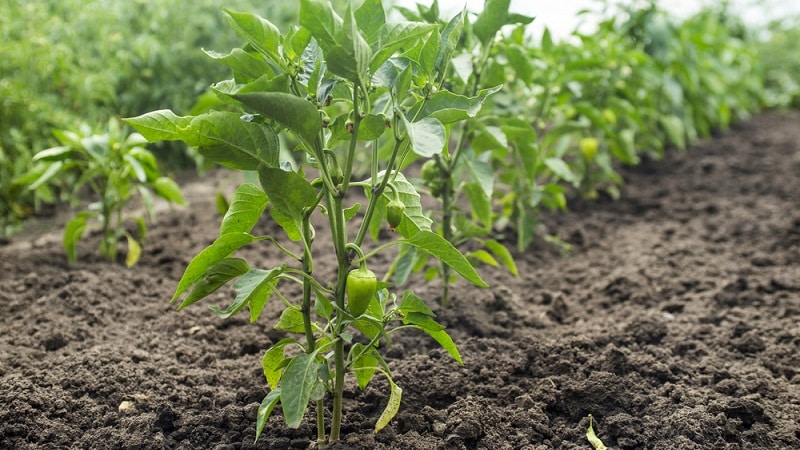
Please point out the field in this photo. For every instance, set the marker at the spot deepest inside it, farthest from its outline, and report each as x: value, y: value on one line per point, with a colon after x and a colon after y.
x: 673, y: 320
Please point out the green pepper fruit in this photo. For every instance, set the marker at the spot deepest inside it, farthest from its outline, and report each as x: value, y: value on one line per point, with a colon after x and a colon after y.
x: 394, y: 213
x: 589, y: 147
x: 429, y: 171
x: 362, y: 285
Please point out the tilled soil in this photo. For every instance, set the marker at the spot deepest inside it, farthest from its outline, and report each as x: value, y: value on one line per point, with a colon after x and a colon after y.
x: 673, y: 320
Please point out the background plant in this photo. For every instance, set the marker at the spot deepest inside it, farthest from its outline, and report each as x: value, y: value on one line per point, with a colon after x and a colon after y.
x: 115, y: 166
x: 332, y: 88
x: 69, y: 62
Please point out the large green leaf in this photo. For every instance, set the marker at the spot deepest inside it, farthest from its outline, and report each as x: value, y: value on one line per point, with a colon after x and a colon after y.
x: 395, y: 36
x: 297, y: 383
x: 215, y: 277
x: 217, y: 251
x: 257, y: 31
x: 297, y: 114
x: 162, y: 125
x: 371, y: 19
x: 289, y: 193
x: 244, y: 210
x: 349, y: 58
x: 444, y: 250
x: 228, y: 140
x: 428, y: 136
x: 364, y: 366
x: 325, y: 25
x: 246, y: 66
x: 448, y: 107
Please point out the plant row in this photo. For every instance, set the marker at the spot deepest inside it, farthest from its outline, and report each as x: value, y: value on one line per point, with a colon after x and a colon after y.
x: 493, y: 124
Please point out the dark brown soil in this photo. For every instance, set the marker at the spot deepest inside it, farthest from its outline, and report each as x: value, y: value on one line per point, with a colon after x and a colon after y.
x: 674, y: 321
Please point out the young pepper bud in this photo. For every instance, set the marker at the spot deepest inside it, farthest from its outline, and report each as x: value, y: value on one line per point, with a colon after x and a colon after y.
x: 362, y: 285
x: 394, y: 213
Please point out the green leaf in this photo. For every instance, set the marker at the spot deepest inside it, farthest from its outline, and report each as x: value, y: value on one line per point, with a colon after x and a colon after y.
x: 502, y: 253
x: 444, y: 250
x: 291, y: 320
x: 274, y: 361
x: 391, y: 407
x: 451, y: 35
x: 73, y: 232
x: 149, y: 204
x: 53, y: 154
x: 371, y: 18
x: 136, y: 166
x: 218, y: 250
x: 562, y: 170
x: 245, y: 209
x: 484, y: 257
x: 254, y: 287
x: 224, y: 138
x: 321, y: 20
x: 168, y: 189
x: 675, y: 130
x: 364, y: 367
x: 428, y: 136
x: 246, y: 66
x: 448, y: 107
x: 351, y: 212
x: 258, y: 32
x: 215, y: 277
x: 298, y: 115
x: 161, y: 125
x: 489, y: 22
x: 480, y: 204
x: 447, y: 343
x: 51, y: 171
x: 265, y: 409
x: 483, y: 174
x: 297, y: 383
x: 134, y: 251
x: 423, y: 322
x: 412, y: 303
x: 289, y: 193
x: 349, y: 58
x: 395, y: 36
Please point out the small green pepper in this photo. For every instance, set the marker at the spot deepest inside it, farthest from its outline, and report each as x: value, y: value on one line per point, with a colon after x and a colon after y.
x: 362, y: 285
x: 394, y: 213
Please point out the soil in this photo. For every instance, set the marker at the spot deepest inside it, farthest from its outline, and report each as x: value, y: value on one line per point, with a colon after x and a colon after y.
x: 674, y: 320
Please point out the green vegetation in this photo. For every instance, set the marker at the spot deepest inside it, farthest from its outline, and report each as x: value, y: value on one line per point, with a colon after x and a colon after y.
x: 115, y: 167
x: 499, y: 125
x: 335, y: 87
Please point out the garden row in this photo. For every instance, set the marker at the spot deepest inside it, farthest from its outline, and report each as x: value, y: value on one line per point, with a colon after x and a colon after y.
x: 500, y: 128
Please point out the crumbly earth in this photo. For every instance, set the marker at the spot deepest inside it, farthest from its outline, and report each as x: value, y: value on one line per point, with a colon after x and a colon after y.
x: 674, y: 320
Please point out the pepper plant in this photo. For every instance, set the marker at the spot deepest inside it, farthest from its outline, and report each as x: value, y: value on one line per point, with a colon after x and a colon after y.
x: 115, y: 166
x: 334, y: 88
x: 464, y: 169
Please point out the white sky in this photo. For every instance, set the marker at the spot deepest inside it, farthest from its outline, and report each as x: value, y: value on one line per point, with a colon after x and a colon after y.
x: 560, y: 15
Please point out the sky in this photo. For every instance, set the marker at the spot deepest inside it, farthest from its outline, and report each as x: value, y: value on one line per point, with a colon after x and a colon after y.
x: 561, y: 18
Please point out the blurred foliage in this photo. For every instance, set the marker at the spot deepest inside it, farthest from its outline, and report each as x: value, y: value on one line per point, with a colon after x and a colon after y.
x: 781, y: 61
x: 71, y: 62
